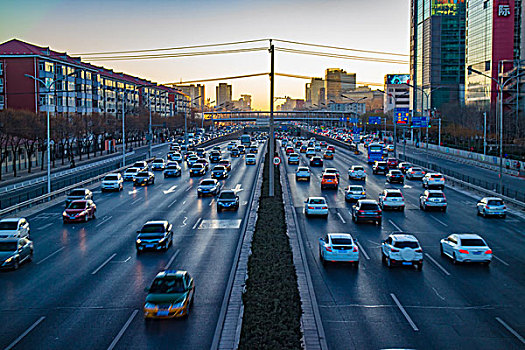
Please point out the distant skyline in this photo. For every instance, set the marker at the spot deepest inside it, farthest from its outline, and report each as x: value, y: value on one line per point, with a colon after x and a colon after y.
x: 114, y: 25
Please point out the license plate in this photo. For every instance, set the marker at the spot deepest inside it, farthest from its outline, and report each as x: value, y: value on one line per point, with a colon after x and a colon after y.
x: 476, y: 253
x: 407, y: 263
x: 71, y: 216
x: 149, y: 245
x: 163, y: 313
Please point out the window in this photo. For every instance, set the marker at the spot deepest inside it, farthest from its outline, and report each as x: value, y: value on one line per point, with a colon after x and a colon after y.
x: 487, y: 65
x: 1, y: 67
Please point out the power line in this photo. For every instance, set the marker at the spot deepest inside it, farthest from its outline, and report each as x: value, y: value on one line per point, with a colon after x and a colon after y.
x: 332, y: 55
x: 329, y: 80
x: 217, y: 79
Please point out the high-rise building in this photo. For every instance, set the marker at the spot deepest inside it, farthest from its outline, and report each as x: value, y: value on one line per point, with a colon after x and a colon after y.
x: 195, y: 92
x: 337, y: 82
x: 315, y: 92
x: 437, y: 52
x: 244, y: 103
x: 223, y: 95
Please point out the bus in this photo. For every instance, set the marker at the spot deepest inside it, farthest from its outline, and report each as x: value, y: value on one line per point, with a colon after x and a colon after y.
x: 246, y: 140
x: 375, y: 152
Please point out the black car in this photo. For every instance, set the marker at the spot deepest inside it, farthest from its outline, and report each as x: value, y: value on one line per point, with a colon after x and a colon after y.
x: 215, y: 156
x: 395, y: 176
x: 316, y: 161
x: 235, y: 152
x: 201, y: 153
x: 197, y: 169
x: 219, y: 172
x: 173, y: 170
x: 14, y: 251
x: 79, y: 194
x: 366, y: 210
x: 227, y: 200
x: 204, y: 162
x: 380, y: 167
x: 154, y: 235
x: 144, y: 178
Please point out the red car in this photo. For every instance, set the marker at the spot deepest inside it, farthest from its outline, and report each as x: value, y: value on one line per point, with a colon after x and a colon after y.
x: 289, y: 150
x: 331, y: 148
x: 392, y: 163
x: 79, y: 211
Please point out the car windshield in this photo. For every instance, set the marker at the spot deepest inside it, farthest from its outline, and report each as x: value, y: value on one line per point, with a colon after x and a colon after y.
x: 208, y: 183
x: 381, y: 164
x: 329, y: 176
x: 435, y: 195
x: 435, y: 176
x: 131, y: 170
x: 7, y: 246
x: 143, y: 174
x: 495, y: 202
x: 219, y: 168
x: 77, y: 193
x: 472, y: 242
x: 111, y: 177
x: 416, y: 169
x: 394, y: 194
x: 8, y: 225
x: 152, y: 228
x: 158, y: 161
x: 341, y: 240
x: 197, y: 166
x: 406, y: 244
x: 167, y: 285
x: 395, y: 172
x: 172, y: 167
x: 77, y: 205
x: 369, y: 206
x: 357, y: 168
x: 227, y: 195
x: 356, y: 188
x: 317, y: 201
x: 224, y: 162
x: 302, y: 169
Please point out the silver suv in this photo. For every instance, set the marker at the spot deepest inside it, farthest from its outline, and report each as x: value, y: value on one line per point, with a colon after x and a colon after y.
x: 401, y: 249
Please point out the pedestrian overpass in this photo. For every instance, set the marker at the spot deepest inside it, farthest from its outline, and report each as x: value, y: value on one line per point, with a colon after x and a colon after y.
x: 262, y: 118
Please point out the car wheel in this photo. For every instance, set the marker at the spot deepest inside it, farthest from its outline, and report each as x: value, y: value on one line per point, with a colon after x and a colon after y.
x: 153, y: 182
x: 86, y: 218
x: 478, y: 213
x: 198, y: 195
x: 30, y: 257
x: 379, y: 222
x: 486, y: 263
x: 455, y: 259
x: 441, y: 250
x: 389, y: 262
x: 218, y: 209
x: 484, y: 213
x: 16, y: 264
x: 444, y: 209
x: 419, y: 266
x: 323, y: 261
x: 402, y: 209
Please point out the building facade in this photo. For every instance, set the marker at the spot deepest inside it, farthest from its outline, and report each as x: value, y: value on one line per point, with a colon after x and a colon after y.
x: 223, y: 95
x: 437, y: 52
x: 338, y: 82
x: 195, y: 92
x: 315, y: 92
x: 397, y: 92
x: 356, y: 108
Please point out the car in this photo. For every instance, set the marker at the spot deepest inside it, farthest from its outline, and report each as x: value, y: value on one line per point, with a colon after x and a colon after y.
x: 242, y: 149
x: 433, y: 199
x: 226, y: 163
x: 201, y: 153
x: 338, y: 247
x: 491, y: 206
x: 77, y: 194
x: 316, y: 206
x: 173, y: 170
x: 318, y: 148
x: 402, y: 249
x: 204, y: 162
x: 293, y: 158
x: 433, y: 180
x: 142, y: 165
x: 404, y: 166
x: 298, y: 144
x: 253, y: 149
x: 331, y: 148
x: 390, y: 148
x: 395, y: 175
x: 112, y: 182
x: 303, y: 149
x: 379, y: 167
x: 219, y: 172
x: 331, y: 171
x: 192, y: 159
x: 173, y: 147
x: 323, y: 144
x: 14, y: 228
x: 366, y: 210
x: 392, y: 163
x: 217, y: 149
x: 392, y: 199
x: 227, y: 200
x: 289, y: 150
x: 158, y: 164
x: 353, y: 193
x: 302, y: 173
x: 310, y: 152
x: 329, y: 181
x: 144, y: 178
x: 235, y: 152
x: 79, y: 211
x: 170, y: 156
x: 328, y: 154
x: 170, y: 295
x: 415, y: 173
x: 197, y: 170
x: 250, y: 159
x: 357, y: 172
x: 316, y: 161
x: 154, y: 235
x: 466, y: 247
x: 215, y: 156
x: 208, y: 187
x: 15, y: 251
x: 130, y: 173
x: 231, y: 145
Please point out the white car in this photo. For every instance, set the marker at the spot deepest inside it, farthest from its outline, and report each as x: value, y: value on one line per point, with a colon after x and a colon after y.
x: 332, y: 171
x: 177, y: 157
x: 392, y: 199
x: 318, y: 148
x: 402, y: 249
x: 353, y: 193
x: 316, y: 206
x: 158, y: 164
x: 414, y: 173
x: 302, y: 173
x: 293, y: 158
x: 390, y: 148
x: 231, y: 145
x: 466, y: 247
x: 208, y: 187
x: 357, y: 172
x: 130, y: 173
x: 112, y: 182
x: 14, y: 228
x: 433, y: 180
x: 491, y: 206
x: 310, y: 152
x: 433, y: 199
x: 250, y: 159
x: 338, y: 247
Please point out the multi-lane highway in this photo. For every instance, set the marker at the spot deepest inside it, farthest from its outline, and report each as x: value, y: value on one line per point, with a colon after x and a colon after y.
x: 85, y: 286
x: 444, y: 306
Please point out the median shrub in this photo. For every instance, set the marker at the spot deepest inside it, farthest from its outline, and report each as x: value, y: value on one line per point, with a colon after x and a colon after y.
x: 272, y: 306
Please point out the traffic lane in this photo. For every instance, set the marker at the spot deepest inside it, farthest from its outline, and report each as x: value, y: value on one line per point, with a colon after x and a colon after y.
x: 116, y: 261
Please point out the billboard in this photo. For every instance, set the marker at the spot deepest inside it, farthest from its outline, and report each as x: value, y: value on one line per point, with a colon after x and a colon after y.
x: 374, y: 120
x: 397, y: 79
x: 401, y: 115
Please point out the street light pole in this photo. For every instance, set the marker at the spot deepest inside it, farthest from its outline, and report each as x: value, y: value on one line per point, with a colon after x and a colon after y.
x: 272, y: 139
x: 150, y: 135
x: 123, y: 128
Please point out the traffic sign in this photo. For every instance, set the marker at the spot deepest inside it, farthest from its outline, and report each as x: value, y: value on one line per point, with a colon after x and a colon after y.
x: 276, y: 161
x: 374, y: 120
x: 401, y: 115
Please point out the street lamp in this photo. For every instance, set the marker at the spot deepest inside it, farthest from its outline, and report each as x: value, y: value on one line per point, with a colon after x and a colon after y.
x: 501, y: 86
x: 48, y: 84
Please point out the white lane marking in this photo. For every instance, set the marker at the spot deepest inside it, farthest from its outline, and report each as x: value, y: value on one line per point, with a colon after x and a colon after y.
x: 244, y: 202
x: 183, y: 202
x: 394, y: 224
x: 128, y: 259
x: 441, y: 222
x: 26, y: 332
x: 104, y: 264
x: 362, y: 250
x: 171, y: 260
x: 238, y: 188
x: 171, y: 189
x: 439, y: 295
x: 50, y: 255
x: 184, y: 222
x: 135, y: 201
x: 403, y: 311
x: 500, y: 260
x: 197, y: 223
x: 175, y: 201
x: 45, y: 226
x: 104, y: 221
x: 189, y: 188
x: 340, y: 217
x: 437, y: 264
x: 135, y: 190
x: 211, y: 202
x: 509, y: 328
x: 122, y: 330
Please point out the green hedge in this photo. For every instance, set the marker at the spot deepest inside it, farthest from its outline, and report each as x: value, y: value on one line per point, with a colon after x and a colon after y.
x: 272, y: 306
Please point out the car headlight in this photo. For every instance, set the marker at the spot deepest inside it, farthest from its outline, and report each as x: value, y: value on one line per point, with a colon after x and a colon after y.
x: 138, y: 241
x: 9, y: 260
x: 177, y: 305
x: 199, y: 189
x: 150, y: 306
x: 64, y: 214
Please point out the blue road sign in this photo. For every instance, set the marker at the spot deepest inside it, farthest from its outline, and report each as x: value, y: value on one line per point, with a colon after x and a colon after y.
x: 374, y: 120
x: 402, y: 115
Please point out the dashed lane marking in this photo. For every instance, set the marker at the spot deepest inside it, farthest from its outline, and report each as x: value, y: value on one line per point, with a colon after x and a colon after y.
x: 362, y: 250
x: 437, y: 264
x: 26, y: 332
x: 441, y: 222
x: 394, y: 224
x: 403, y: 311
x: 341, y: 218
x: 509, y: 328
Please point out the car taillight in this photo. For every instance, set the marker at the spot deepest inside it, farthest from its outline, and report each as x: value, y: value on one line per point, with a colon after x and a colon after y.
x: 378, y: 211
x: 360, y: 211
x: 394, y: 250
x: 310, y: 207
x: 355, y: 249
x: 463, y: 251
x: 324, y: 208
x: 488, y: 207
x: 419, y: 250
x: 488, y: 251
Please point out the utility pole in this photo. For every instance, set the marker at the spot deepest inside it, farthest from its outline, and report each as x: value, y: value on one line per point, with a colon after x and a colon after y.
x: 150, y: 136
x: 272, y: 138
x: 123, y: 129
x: 439, y: 132
x: 484, y: 134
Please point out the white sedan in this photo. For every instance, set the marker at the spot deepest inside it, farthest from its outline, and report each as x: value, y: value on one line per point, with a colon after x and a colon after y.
x: 466, y: 247
x: 338, y: 247
x: 316, y: 206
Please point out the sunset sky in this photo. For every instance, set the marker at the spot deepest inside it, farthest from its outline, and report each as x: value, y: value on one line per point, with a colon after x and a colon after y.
x: 115, y: 25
